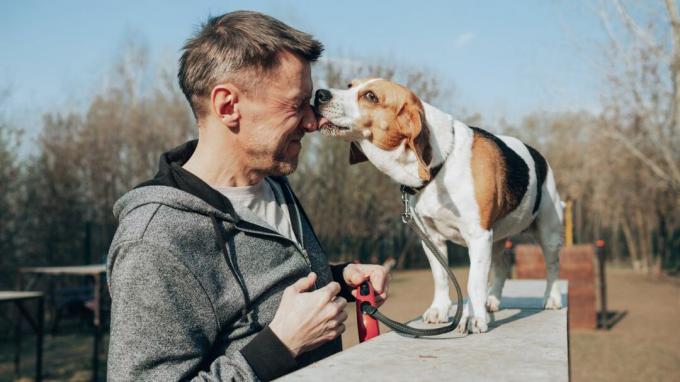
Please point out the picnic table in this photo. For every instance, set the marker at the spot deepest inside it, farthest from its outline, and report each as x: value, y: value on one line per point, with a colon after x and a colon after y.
x: 28, y: 276
x: 19, y: 298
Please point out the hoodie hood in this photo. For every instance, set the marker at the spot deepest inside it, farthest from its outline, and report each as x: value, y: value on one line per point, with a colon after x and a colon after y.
x: 167, y: 196
x: 172, y: 174
x: 178, y: 188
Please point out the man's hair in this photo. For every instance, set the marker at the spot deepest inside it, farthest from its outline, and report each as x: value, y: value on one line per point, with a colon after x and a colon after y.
x: 240, y: 47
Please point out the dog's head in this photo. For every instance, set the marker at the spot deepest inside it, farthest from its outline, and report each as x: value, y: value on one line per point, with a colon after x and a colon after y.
x: 385, y: 123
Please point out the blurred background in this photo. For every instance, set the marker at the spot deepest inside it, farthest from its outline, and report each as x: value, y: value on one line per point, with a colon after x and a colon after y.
x: 89, y: 100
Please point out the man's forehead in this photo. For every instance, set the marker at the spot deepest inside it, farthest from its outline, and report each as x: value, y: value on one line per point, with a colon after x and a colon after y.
x: 299, y: 92
x: 291, y: 87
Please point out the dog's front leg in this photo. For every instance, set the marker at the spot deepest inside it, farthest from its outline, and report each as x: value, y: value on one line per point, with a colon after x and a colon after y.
x: 480, y: 261
x: 439, y: 310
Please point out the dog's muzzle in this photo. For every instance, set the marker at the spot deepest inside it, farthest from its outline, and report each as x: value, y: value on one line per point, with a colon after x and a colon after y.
x: 321, y: 97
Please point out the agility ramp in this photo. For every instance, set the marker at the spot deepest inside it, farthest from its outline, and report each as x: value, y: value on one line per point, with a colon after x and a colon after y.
x: 524, y: 343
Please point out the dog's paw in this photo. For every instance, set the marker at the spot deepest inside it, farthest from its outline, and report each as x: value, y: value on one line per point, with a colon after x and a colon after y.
x: 477, y: 325
x: 472, y: 325
x: 492, y: 304
x: 462, y: 325
x: 437, y: 314
x: 553, y: 303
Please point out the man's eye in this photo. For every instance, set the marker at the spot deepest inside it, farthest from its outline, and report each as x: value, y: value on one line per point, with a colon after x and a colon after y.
x: 371, y: 97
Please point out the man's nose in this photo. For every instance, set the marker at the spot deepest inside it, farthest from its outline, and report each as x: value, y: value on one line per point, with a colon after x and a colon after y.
x: 322, y: 96
x: 309, y: 122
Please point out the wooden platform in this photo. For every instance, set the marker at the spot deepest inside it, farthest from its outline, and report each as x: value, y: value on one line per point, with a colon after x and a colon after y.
x: 577, y: 265
x: 524, y: 343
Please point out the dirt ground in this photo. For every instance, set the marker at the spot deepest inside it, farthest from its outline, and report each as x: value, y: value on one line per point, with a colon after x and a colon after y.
x: 643, y: 346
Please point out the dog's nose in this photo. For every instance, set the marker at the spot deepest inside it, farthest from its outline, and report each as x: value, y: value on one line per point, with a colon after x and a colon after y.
x: 322, y: 96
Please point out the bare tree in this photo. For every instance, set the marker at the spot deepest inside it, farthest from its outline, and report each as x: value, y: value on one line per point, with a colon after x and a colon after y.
x: 10, y: 193
x: 641, y: 118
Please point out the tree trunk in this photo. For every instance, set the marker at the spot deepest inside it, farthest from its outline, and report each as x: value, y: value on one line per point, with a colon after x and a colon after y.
x: 632, y: 245
x: 675, y: 77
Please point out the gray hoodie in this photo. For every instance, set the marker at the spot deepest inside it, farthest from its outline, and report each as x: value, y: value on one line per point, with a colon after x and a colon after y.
x: 194, y: 284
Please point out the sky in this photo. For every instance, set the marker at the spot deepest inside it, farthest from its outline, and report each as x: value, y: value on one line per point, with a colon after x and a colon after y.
x: 502, y: 58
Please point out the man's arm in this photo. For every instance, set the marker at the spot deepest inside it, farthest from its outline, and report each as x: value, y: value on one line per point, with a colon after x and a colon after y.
x: 163, y: 324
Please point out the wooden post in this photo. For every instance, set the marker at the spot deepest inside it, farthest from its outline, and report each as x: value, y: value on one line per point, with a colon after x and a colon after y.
x: 17, y: 342
x: 97, y: 324
x: 39, y: 340
x: 88, y: 243
x: 17, y: 331
x: 601, y: 259
x: 569, y: 223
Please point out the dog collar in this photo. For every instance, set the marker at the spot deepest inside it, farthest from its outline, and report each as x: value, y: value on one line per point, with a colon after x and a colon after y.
x: 414, y: 190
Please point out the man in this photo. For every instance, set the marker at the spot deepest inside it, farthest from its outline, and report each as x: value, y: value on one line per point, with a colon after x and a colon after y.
x: 215, y: 272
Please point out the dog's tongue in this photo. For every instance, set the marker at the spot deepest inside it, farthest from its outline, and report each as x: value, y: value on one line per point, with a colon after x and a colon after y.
x: 322, y: 121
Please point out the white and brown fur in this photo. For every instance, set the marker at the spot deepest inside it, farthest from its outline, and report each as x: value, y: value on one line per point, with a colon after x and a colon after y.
x: 486, y: 191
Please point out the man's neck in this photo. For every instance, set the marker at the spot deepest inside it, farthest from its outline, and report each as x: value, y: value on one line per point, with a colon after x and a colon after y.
x: 219, y: 165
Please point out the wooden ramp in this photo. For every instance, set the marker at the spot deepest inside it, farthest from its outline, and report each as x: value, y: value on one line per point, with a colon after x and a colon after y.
x: 524, y: 343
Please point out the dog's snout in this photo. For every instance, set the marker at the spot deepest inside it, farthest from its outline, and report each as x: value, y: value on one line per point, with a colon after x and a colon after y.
x: 322, y: 96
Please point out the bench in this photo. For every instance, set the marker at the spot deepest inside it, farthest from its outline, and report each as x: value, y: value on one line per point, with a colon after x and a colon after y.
x: 524, y: 343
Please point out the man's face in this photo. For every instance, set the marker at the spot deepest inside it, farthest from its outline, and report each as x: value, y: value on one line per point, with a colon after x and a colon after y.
x: 276, y: 116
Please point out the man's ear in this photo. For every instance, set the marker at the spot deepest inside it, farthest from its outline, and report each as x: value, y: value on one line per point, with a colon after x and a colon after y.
x: 355, y: 154
x: 224, y: 103
x: 414, y: 127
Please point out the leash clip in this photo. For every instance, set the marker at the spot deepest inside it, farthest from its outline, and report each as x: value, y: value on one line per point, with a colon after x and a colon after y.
x: 406, y: 215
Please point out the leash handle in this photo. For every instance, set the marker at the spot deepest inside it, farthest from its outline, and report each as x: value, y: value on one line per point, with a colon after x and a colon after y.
x: 367, y: 325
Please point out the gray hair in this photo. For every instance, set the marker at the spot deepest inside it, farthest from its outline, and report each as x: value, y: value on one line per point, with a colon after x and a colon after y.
x: 241, y: 47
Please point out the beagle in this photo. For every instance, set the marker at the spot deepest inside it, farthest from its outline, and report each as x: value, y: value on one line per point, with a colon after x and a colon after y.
x: 469, y: 186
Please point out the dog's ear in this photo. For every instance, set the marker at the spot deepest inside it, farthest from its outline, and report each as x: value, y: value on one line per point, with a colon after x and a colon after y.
x: 414, y: 127
x: 355, y: 154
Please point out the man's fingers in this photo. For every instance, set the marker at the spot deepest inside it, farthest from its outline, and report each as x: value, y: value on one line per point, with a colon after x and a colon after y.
x: 340, y: 302
x: 337, y: 320
x: 333, y: 333
x: 305, y: 283
x: 353, y: 275
x: 330, y: 290
x: 378, y: 278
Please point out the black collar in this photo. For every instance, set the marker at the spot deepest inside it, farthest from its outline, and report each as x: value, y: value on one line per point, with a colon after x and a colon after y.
x: 433, y: 173
x: 414, y: 190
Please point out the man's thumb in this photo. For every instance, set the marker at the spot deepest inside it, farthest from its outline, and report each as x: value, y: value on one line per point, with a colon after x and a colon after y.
x: 305, y: 283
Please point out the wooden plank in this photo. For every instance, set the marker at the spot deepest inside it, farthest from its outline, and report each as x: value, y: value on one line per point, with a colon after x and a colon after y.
x: 18, y: 295
x: 577, y: 264
x: 524, y: 343
x: 68, y: 270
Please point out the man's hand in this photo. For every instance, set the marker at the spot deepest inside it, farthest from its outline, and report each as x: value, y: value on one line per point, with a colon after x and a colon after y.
x: 379, y: 276
x: 306, y: 320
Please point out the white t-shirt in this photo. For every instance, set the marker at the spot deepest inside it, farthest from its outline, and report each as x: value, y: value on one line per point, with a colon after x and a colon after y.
x: 266, y: 200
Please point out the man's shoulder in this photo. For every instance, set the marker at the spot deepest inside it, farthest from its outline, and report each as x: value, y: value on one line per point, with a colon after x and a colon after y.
x: 158, y: 232
x: 154, y: 221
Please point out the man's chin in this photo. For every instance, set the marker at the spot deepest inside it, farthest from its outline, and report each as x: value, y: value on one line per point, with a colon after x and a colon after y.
x: 282, y: 168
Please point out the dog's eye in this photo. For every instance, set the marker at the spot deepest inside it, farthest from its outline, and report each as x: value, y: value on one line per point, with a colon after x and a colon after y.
x: 371, y: 97
x: 349, y: 85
